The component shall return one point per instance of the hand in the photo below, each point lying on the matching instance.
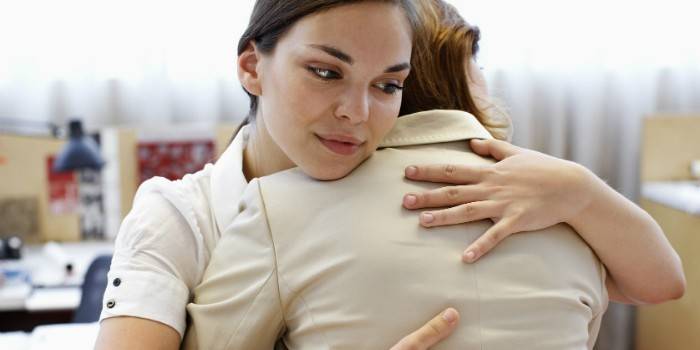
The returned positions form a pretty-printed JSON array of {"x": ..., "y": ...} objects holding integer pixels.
[
  {"x": 433, "y": 332},
  {"x": 524, "y": 190}
]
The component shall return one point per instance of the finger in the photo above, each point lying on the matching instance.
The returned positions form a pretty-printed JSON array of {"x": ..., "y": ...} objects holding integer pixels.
[
  {"x": 444, "y": 196},
  {"x": 496, "y": 149},
  {"x": 486, "y": 242},
  {"x": 437, "y": 329},
  {"x": 460, "y": 214},
  {"x": 445, "y": 173}
]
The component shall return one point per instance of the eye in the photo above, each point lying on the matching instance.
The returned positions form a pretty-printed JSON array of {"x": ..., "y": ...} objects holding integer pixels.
[
  {"x": 325, "y": 74},
  {"x": 389, "y": 88}
]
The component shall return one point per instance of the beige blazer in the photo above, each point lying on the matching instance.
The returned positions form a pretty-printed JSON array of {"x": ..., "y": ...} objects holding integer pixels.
[{"x": 341, "y": 265}]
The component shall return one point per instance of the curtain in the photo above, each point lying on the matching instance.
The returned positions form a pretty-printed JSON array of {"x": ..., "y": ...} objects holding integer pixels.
[
  {"x": 577, "y": 76},
  {"x": 121, "y": 62}
]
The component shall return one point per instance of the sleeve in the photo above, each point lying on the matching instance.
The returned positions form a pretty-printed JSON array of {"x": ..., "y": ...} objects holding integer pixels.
[
  {"x": 155, "y": 264},
  {"x": 238, "y": 304}
]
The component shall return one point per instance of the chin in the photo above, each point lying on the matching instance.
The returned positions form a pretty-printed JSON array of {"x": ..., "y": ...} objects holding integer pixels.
[{"x": 328, "y": 172}]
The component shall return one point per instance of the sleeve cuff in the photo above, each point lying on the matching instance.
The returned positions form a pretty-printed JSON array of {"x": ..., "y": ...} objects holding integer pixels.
[{"x": 148, "y": 295}]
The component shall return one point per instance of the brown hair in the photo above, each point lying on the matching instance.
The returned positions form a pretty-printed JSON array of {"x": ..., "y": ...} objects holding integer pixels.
[
  {"x": 271, "y": 19},
  {"x": 444, "y": 46}
]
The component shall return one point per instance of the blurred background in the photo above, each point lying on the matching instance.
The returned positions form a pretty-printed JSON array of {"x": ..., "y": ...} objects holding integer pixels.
[{"x": 613, "y": 85}]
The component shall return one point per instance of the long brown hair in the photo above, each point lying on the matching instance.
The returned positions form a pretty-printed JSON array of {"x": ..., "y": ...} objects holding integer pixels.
[{"x": 445, "y": 45}]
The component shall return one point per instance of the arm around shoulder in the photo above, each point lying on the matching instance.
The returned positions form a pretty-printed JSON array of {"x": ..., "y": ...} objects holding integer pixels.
[{"x": 643, "y": 266}]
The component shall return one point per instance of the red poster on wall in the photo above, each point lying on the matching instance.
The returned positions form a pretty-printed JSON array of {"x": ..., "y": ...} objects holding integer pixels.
[
  {"x": 63, "y": 190},
  {"x": 173, "y": 159}
]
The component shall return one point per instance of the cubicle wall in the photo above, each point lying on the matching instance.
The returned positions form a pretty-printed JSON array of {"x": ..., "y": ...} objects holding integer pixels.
[
  {"x": 42, "y": 206},
  {"x": 29, "y": 207},
  {"x": 669, "y": 144}
]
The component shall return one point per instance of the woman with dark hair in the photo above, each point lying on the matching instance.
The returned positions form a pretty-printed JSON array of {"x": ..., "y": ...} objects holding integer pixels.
[
  {"x": 322, "y": 102},
  {"x": 165, "y": 242}
]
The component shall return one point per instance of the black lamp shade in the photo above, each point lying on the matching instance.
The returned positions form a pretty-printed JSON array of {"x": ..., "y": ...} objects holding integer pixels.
[{"x": 81, "y": 152}]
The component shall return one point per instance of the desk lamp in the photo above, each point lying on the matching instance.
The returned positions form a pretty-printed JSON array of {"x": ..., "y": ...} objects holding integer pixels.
[
  {"x": 82, "y": 155},
  {"x": 81, "y": 152}
]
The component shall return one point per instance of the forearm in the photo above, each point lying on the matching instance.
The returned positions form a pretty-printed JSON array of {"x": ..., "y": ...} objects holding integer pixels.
[
  {"x": 136, "y": 333},
  {"x": 643, "y": 265}
]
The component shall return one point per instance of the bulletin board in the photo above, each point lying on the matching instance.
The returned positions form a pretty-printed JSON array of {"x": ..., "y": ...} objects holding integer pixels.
[
  {"x": 131, "y": 159},
  {"x": 27, "y": 188}
]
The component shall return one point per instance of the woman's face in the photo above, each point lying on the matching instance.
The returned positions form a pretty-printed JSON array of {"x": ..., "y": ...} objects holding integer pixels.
[{"x": 330, "y": 90}]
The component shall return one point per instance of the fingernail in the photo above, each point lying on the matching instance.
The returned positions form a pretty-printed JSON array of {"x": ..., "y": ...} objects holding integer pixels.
[
  {"x": 427, "y": 218},
  {"x": 450, "y": 315},
  {"x": 411, "y": 171},
  {"x": 469, "y": 256},
  {"x": 410, "y": 200}
]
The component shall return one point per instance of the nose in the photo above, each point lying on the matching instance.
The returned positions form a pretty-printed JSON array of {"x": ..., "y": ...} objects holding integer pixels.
[{"x": 354, "y": 105}]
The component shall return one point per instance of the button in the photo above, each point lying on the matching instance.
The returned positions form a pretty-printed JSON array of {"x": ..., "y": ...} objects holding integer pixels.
[
  {"x": 117, "y": 281},
  {"x": 111, "y": 303}
]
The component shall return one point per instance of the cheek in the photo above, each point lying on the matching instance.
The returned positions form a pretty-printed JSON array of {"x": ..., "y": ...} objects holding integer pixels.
[
  {"x": 288, "y": 105},
  {"x": 384, "y": 120},
  {"x": 300, "y": 100},
  {"x": 282, "y": 89}
]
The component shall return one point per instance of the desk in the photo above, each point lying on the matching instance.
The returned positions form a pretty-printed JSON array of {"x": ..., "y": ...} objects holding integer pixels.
[
  {"x": 52, "y": 295},
  {"x": 24, "y": 297},
  {"x": 679, "y": 195},
  {"x": 675, "y": 324},
  {"x": 60, "y": 336}
]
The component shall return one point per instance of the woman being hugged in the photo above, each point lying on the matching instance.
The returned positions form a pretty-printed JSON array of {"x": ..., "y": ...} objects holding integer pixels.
[{"x": 525, "y": 190}]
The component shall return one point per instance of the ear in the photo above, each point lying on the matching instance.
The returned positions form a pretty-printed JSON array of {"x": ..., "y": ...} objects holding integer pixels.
[
  {"x": 476, "y": 79},
  {"x": 248, "y": 66}
]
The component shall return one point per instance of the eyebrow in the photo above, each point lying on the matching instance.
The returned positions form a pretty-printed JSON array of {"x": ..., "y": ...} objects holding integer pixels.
[
  {"x": 347, "y": 59},
  {"x": 398, "y": 67},
  {"x": 334, "y": 52}
]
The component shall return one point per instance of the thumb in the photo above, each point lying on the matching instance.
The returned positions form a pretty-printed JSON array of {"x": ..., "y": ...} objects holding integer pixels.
[
  {"x": 496, "y": 149},
  {"x": 433, "y": 332}
]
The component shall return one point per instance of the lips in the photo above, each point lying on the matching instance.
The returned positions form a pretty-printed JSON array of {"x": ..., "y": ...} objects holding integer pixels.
[{"x": 341, "y": 144}]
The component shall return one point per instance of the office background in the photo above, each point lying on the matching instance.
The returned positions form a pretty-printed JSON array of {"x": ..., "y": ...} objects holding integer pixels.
[{"x": 578, "y": 77}]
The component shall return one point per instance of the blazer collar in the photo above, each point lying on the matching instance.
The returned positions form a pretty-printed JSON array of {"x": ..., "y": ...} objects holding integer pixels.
[{"x": 435, "y": 126}]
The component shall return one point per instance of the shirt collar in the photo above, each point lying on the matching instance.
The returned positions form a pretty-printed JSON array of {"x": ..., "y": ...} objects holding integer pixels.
[
  {"x": 228, "y": 181},
  {"x": 434, "y": 126}
]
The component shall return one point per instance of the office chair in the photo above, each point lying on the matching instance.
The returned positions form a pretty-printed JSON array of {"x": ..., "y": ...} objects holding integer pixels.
[{"x": 93, "y": 290}]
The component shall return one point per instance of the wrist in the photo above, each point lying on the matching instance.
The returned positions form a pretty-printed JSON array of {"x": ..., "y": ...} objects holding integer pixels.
[{"x": 588, "y": 196}]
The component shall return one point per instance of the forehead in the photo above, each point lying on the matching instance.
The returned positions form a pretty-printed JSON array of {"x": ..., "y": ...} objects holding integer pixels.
[{"x": 370, "y": 32}]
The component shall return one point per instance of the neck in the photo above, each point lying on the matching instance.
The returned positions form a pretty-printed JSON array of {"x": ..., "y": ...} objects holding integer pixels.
[{"x": 261, "y": 155}]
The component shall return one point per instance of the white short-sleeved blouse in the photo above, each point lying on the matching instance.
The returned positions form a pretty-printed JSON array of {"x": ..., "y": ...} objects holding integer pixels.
[{"x": 164, "y": 243}]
